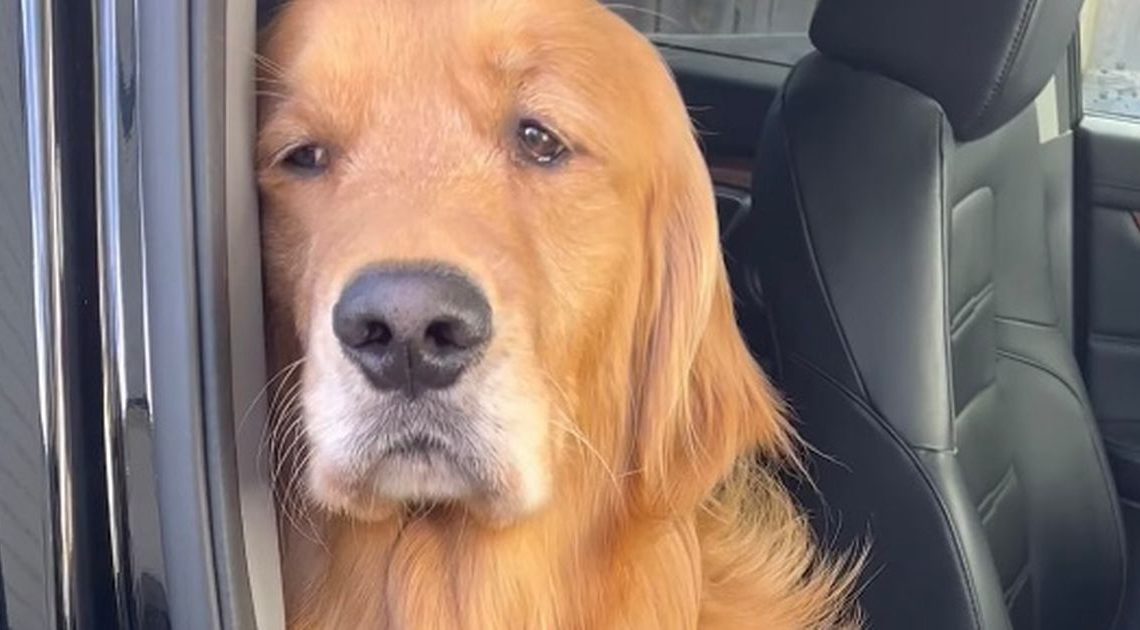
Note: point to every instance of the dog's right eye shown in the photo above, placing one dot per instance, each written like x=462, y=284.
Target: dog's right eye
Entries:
x=539, y=144
x=307, y=159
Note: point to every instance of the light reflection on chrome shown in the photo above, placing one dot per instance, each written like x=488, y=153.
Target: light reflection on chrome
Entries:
x=127, y=424
x=44, y=196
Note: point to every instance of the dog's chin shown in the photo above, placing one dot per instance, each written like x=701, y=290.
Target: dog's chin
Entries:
x=415, y=482
x=479, y=448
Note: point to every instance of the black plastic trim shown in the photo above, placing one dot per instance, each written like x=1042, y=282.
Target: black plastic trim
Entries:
x=727, y=97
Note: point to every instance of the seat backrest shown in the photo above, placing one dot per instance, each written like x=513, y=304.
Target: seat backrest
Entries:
x=900, y=233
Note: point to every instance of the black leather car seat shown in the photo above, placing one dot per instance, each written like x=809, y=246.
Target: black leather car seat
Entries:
x=899, y=231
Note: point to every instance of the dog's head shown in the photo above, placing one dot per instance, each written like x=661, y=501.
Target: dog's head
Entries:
x=491, y=232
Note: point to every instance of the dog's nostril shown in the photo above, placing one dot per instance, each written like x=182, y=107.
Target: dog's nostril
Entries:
x=360, y=333
x=378, y=333
x=446, y=334
x=441, y=334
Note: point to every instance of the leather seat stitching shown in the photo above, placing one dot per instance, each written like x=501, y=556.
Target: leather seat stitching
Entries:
x=989, y=385
x=1018, y=583
x=1007, y=64
x=1020, y=358
x=1006, y=319
x=970, y=309
x=988, y=505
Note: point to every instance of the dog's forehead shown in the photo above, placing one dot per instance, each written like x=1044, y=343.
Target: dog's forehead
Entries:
x=382, y=46
x=390, y=71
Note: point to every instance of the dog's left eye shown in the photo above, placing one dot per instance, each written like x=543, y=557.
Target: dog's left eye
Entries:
x=307, y=159
x=539, y=144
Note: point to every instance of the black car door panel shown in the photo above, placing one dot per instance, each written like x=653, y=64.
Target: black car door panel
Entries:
x=1112, y=358
x=1108, y=290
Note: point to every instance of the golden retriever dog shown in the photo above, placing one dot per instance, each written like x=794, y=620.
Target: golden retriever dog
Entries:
x=512, y=390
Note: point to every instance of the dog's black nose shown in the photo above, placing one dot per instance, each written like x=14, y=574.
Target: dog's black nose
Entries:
x=412, y=328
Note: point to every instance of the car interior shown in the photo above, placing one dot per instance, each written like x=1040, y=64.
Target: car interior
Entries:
x=902, y=227
x=930, y=214
x=933, y=256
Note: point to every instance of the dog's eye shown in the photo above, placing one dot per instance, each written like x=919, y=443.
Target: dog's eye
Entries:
x=539, y=144
x=307, y=159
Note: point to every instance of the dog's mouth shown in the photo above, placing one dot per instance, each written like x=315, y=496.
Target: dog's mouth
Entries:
x=412, y=455
x=376, y=456
x=418, y=446
x=422, y=466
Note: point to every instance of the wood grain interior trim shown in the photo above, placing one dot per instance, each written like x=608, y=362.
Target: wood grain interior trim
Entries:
x=731, y=172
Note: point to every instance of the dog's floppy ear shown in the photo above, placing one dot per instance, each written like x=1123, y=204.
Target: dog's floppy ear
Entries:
x=699, y=399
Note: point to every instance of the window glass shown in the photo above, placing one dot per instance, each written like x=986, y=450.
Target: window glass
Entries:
x=23, y=594
x=719, y=17
x=1112, y=58
x=766, y=30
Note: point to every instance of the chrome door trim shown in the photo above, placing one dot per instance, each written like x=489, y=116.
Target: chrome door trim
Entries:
x=44, y=196
x=174, y=328
x=128, y=429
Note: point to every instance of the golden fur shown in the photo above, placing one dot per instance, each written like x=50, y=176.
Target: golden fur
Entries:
x=646, y=492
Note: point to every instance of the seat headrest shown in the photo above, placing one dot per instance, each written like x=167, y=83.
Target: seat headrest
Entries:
x=983, y=61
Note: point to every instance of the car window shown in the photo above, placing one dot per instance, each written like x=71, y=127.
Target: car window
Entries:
x=720, y=17
x=1112, y=58
x=765, y=30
